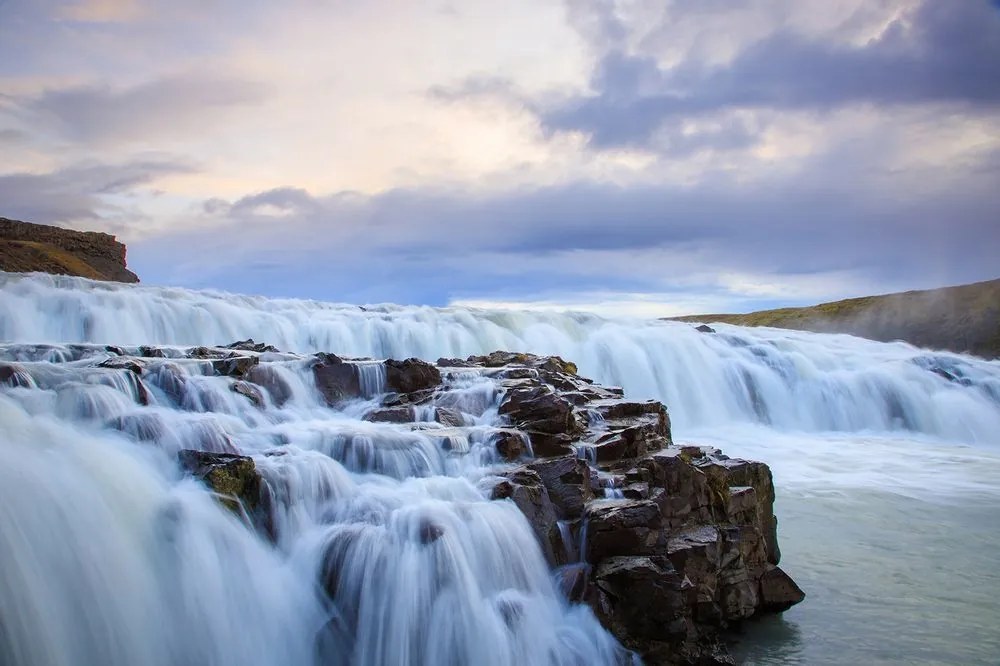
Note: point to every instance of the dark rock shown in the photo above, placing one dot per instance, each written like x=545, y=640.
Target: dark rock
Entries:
x=206, y=353
x=430, y=531
x=704, y=328
x=151, y=352
x=414, y=398
x=525, y=488
x=390, y=415
x=336, y=380
x=26, y=247
x=567, y=480
x=539, y=409
x=509, y=444
x=235, y=366
x=250, y=345
x=411, y=375
x=249, y=391
x=453, y=363
x=778, y=591
x=265, y=376
x=623, y=527
x=131, y=364
x=449, y=417
x=13, y=374
x=118, y=351
x=233, y=477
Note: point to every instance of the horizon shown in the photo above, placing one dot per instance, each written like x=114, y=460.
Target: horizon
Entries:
x=623, y=158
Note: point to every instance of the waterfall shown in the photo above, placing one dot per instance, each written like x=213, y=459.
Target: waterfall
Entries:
x=790, y=380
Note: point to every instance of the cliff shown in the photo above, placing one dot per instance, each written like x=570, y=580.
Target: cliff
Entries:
x=27, y=247
x=962, y=319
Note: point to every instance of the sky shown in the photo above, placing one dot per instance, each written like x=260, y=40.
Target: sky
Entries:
x=628, y=157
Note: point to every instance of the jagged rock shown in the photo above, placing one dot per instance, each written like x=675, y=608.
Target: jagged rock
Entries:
x=336, y=380
x=623, y=527
x=234, y=366
x=249, y=391
x=270, y=380
x=206, y=352
x=453, y=363
x=13, y=374
x=509, y=444
x=724, y=474
x=233, y=477
x=646, y=604
x=411, y=375
x=567, y=480
x=778, y=591
x=390, y=415
x=449, y=417
x=704, y=328
x=498, y=358
x=250, y=345
x=539, y=409
x=525, y=488
x=414, y=398
x=131, y=364
x=151, y=352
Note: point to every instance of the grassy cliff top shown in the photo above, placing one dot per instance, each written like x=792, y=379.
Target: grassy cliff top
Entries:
x=27, y=247
x=962, y=319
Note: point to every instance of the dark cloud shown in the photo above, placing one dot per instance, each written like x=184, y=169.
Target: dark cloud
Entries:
x=945, y=52
x=175, y=105
x=77, y=194
x=430, y=247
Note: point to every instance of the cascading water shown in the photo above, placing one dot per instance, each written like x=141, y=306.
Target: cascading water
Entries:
x=385, y=550
x=786, y=379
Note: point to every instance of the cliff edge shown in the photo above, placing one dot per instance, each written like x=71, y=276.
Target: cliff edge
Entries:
x=27, y=247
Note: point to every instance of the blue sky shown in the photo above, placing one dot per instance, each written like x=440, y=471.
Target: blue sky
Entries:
x=622, y=156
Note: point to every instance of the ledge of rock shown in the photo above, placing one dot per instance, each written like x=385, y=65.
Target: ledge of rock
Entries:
x=27, y=247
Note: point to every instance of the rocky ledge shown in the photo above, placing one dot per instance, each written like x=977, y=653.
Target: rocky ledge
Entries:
x=27, y=247
x=669, y=545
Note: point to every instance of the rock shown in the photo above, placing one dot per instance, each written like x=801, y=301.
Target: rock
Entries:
x=498, y=358
x=449, y=417
x=645, y=603
x=141, y=426
x=270, y=380
x=430, y=531
x=539, y=409
x=778, y=591
x=151, y=352
x=13, y=374
x=623, y=527
x=525, y=488
x=233, y=477
x=567, y=480
x=411, y=375
x=205, y=353
x=117, y=351
x=27, y=247
x=724, y=474
x=131, y=364
x=704, y=328
x=336, y=380
x=249, y=391
x=234, y=366
x=250, y=345
x=510, y=444
x=390, y=415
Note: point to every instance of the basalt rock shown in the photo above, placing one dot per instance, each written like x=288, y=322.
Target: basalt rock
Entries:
x=411, y=375
x=336, y=379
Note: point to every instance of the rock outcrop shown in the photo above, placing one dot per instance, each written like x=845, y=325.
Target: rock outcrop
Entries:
x=27, y=247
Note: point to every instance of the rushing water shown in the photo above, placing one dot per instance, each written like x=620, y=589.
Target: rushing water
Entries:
x=886, y=459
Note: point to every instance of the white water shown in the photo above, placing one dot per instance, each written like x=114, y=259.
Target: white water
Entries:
x=122, y=561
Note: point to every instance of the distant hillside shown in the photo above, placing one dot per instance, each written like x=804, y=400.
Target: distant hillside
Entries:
x=26, y=247
x=961, y=319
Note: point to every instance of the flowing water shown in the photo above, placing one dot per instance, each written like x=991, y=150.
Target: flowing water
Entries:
x=886, y=460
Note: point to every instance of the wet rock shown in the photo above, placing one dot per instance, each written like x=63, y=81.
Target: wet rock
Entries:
x=623, y=527
x=778, y=591
x=270, y=380
x=411, y=375
x=449, y=417
x=141, y=426
x=453, y=363
x=567, y=480
x=13, y=374
x=205, y=353
x=415, y=398
x=525, y=488
x=233, y=477
x=723, y=474
x=234, y=366
x=151, y=352
x=704, y=328
x=390, y=415
x=250, y=345
x=539, y=409
x=118, y=351
x=499, y=358
x=430, y=531
x=336, y=379
x=133, y=365
x=249, y=391
x=509, y=444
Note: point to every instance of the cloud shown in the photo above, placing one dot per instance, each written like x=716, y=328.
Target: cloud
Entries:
x=102, y=11
x=938, y=53
x=84, y=195
x=175, y=106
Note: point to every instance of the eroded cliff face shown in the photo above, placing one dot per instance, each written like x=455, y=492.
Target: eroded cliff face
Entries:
x=27, y=247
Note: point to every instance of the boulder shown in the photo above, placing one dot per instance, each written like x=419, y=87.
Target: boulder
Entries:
x=449, y=417
x=234, y=365
x=151, y=352
x=248, y=391
x=539, y=409
x=411, y=375
x=567, y=480
x=509, y=444
x=336, y=379
x=390, y=415
x=704, y=328
x=250, y=345
x=270, y=380
x=524, y=487
x=13, y=374
x=233, y=477
x=778, y=592
x=133, y=365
